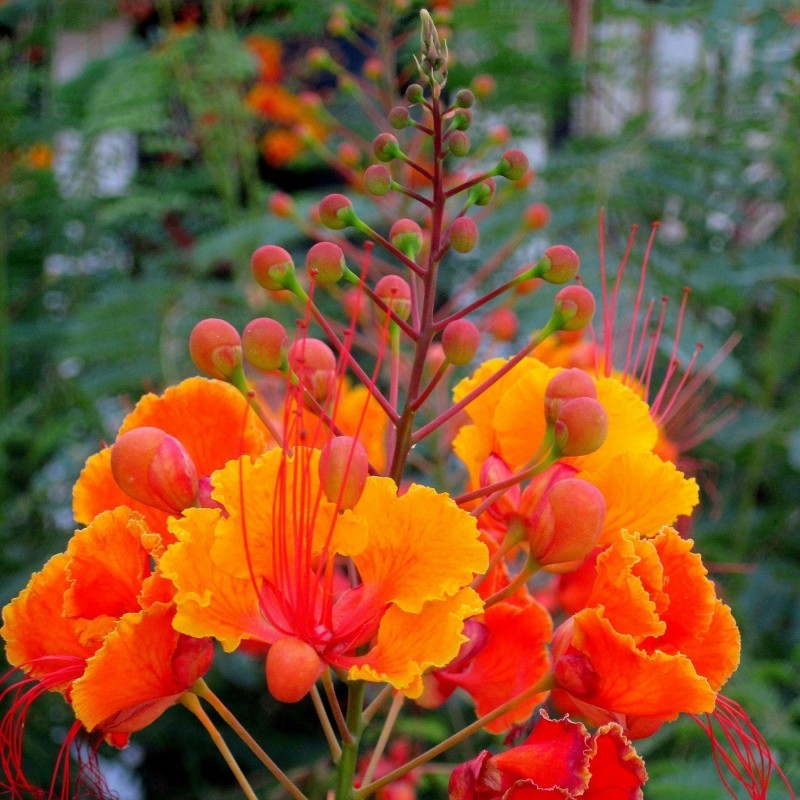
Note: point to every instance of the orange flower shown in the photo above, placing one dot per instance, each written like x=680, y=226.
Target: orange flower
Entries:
x=654, y=640
x=559, y=760
x=280, y=146
x=267, y=53
x=209, y=418
x=268, y=570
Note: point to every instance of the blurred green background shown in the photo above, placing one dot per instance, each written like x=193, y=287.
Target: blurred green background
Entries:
x=127, y=214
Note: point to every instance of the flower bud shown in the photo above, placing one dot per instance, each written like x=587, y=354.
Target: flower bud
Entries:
x=335, y=212
x=399, y=118
x=343, y=470
x=281, y=205
x=483, y=86
x=265, y=344
x=567, y=385
x=386, y=147
x=536, y=216
x=378, y=180
x=373, y=69
x=191, y=659
x=415, y=94
x=319, y=58
x=349, y=154
x=513, y=165
x=458, y=143
x=325, y=262
x=460, y=340
x=463, y=234
x=498, y=134
x=502, y=323
x=494, y=470
x=581, y=426
x=216, y=348
x=575, y=307
x=293, y=667
x=395, y=293
x=564, y=264
x=315, y=366
x=484, y=192
x=465, y=98
x=154, y=468
x=462, y=119
x=406, y=236
x=272, y=267
x=434, y=358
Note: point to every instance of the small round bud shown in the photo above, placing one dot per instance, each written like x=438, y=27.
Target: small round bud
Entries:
x=458, y=144
x=373, y=69
x=335, y=212
x=154, y=468
x=385, y=147
x=494, y=470
x=575, y=305
x=292, y=668
x=460, y=340
x=513, y=165
x=483, y=86
x=414, y=94
x=567, y=385
x=498, y=134
x=265, y=344
x=502, y=323
x=465, y=98
x=526, y=180
x=434, y=358
x=319, y=58
x=338, y=24
x=325, y=262
x=395, y=293
x=272, y=267
x=485, y=191
x=347, y=85
x=581, y=426
x=315, y=366
x=399, y=118
x=378, y=179
x=406, y=236
x=463, y=234
x=349, y=154
x=343, y=470
x=281, y=205
x=462, y=119
x=216, y=348
x=564, y=264
x=536, y=216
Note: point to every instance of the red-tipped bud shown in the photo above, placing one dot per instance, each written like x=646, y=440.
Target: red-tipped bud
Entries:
x=272, y=267
x=386, y=147
x=513, y=165
x=458, y=144
x=462, y=119
x=414, y=94
x=494, y=470
x=498, y=134
x=406, y=236
x=575, y=307
x=564, y=264
x=484, y=192
x=335, y=212
x=315, y=366
x=460, y=340
x=463, y=234
x=581, y=426
x=319, y=58
x=293, y=667
x=349, y=154
x=465, y=98
x=396, y=294
x=567, y=385
x=526, y=180
x=338, y=24
x=191, y=659
x=399, y=118
x=567, y=520
x=373, y=69
x=216, y=348
x=378, y=180
x=265, y=344
x=502, y=323
x=281, y=205
x=536, y=216
x=434, y=358
x=483, y=86
x=343, y=470
x=154, y=468
x=325, y=261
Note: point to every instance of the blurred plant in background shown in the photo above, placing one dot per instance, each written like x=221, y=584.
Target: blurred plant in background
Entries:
x=137, y=178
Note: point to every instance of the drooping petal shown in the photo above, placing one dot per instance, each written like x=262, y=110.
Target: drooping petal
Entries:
x=617, y=769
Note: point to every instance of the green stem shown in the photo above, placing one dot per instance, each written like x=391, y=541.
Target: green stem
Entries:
x=346, y=768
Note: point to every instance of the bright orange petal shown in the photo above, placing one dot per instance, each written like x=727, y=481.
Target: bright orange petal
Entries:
x=617, y=770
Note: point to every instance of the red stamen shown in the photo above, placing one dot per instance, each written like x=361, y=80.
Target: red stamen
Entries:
x=638, y=301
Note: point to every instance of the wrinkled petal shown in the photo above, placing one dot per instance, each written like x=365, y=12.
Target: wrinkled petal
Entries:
x=617, y=770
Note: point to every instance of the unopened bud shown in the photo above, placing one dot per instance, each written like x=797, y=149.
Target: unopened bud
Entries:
x=458, y=143
x=494, y=470
x=325, y=261
x=272, y=267
x=349, y=154
x=216, y=348
x=465, y=98
x=575, y=307
x=281, y=205
x=343, y=470
x=399, y=118
x=581, y=426
x=336, y=212
x=191, y=659
x=460, y=340
x=319, y=58
x=378, y=180
x=463, y=234
x=484, y=192
x=513, y=165
x=498, y=134
x=483, y=86
x=564, y=264
x=373, y=69
x=395, y=293
x=536, y=216
x=567, y=385
x=415, y=94
x=154, y=468
x=315, y=366
x=386, y=147
x=502, y=323
x=265, y=344
x=434, y=358
x=293, y=667
x=406, y=236
x=462, y=119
